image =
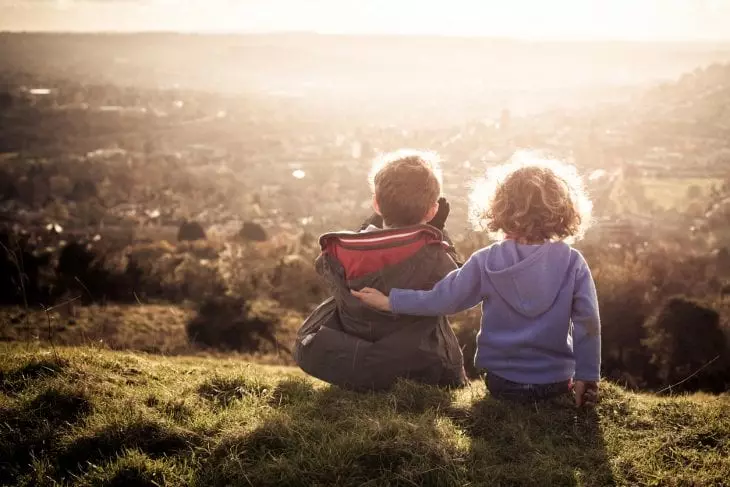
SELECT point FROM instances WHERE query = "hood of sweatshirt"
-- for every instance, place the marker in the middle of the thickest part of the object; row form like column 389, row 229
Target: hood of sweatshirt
column 528, row 277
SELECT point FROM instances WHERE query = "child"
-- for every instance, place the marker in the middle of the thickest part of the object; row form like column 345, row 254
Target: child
column 351, row 345
column 540, row 326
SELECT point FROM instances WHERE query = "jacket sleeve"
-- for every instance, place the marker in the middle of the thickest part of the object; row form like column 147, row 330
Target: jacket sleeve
column 586, row 327
column 461, row 289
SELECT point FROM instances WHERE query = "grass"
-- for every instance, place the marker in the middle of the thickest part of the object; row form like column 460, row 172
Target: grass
column 151, row 328
column 91, row 417
column 148, row 328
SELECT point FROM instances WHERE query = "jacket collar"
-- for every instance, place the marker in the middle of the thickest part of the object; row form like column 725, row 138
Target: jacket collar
column 364, row 253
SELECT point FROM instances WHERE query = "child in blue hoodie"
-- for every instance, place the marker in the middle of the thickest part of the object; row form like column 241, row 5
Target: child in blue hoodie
column 540, row 329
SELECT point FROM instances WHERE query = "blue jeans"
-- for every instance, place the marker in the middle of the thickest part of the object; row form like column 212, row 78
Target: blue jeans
column 501, row 388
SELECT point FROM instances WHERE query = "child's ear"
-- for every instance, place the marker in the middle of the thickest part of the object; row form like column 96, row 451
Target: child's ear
column 432, row 212
column 376, row 206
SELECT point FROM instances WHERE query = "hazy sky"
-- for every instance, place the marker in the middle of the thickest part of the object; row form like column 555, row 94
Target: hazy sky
column 542, row 19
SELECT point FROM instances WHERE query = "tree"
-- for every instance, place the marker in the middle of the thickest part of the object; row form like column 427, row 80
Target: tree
column 6, row 100
column 190, row 231
column 683, row 336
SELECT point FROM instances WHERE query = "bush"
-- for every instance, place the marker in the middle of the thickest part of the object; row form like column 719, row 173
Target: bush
column 625, row 295
column 163, row 271
column 683, row 337
column 296, row 284
column 24, row 271
column 190, row 231
column 281, row 268
column 228, row 323
column 77, row 270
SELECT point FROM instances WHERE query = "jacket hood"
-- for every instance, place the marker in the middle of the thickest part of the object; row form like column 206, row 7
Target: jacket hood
column 528, row 277
column 375, row 250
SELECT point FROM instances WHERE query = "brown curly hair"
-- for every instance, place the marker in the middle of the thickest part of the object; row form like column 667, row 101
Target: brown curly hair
column 531, row 200
column 406, row 184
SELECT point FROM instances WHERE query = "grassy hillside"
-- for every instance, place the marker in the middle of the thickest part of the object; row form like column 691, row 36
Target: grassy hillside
column 148, row 328
column 85, row 416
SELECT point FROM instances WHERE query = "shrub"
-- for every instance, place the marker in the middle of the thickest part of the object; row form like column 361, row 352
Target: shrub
column 190, row 231
column 253, row 231
column 683, row 336
column 282, row 268
column 75, row 263
column 296, row 284
column 625, row 295
column 24, row 273
column 229, row 323
column 163, row 271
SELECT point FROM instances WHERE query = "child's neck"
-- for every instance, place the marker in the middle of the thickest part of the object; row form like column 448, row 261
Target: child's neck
column 390, row 227
column 525, row 240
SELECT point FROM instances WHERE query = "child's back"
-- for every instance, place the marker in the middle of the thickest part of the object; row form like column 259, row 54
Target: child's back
column 540, row 325
column 355, row 346
column 532, row 295
column 352, row 345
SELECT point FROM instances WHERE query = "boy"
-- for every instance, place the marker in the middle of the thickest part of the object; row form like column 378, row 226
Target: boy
column 348, row 344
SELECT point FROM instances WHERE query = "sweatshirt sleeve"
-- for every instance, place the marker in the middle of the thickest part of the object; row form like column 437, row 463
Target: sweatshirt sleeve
column 586, row 327
column 459, row 290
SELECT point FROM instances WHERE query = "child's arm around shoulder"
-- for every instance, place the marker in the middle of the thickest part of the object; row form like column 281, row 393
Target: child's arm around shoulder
column 586, row 331
column 459, row 290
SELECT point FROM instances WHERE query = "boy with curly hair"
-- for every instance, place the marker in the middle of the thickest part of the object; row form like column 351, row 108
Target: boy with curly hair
column 540, row 327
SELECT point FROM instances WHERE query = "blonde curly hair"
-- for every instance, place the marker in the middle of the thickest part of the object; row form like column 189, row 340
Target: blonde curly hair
column 532, row 200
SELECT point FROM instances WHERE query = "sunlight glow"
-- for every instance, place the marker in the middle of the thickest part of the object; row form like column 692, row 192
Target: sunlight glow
column 529, row 19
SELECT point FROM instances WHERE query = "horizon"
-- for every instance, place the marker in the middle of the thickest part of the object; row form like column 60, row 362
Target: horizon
column 561, row 20
column 305, row 33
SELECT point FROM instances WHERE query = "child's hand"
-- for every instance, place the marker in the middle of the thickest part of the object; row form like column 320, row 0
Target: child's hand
column 372, row 297
column 439, row 220
column 586, row 393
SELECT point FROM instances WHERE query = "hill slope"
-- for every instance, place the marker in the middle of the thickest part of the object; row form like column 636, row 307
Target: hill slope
column 86, row 416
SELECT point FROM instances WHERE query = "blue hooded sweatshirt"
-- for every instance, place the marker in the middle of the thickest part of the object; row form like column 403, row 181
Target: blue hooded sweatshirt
column 540, row 321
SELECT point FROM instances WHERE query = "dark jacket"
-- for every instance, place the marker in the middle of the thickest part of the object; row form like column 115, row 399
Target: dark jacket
column 347, row 343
